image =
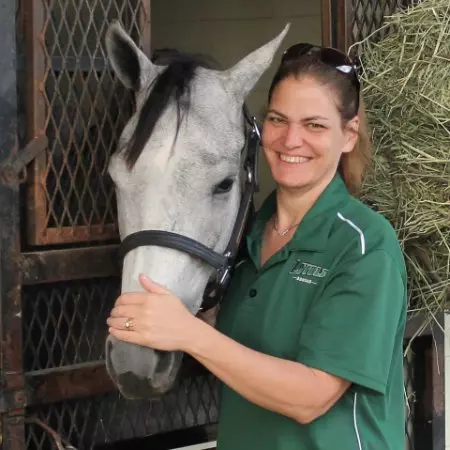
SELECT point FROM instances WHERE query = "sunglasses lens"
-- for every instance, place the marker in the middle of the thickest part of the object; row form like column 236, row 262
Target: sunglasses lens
column 333, row 57
column 329, row 56
column 296, row 51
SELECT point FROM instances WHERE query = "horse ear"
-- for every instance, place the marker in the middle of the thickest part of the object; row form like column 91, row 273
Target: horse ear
column 129, row 63
column 245, row 74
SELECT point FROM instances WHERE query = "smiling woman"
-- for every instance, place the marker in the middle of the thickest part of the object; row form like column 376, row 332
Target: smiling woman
column 326, row 335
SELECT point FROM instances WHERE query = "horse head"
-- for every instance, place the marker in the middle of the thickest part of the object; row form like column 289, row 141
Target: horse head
column 176, row 169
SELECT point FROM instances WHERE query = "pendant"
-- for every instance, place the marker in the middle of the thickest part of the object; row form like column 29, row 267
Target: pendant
column 285, row 231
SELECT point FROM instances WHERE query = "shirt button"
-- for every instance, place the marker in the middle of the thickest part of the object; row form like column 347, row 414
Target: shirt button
column 252, row 292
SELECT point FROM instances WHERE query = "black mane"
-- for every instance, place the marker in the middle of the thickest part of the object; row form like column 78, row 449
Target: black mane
column 174, row 81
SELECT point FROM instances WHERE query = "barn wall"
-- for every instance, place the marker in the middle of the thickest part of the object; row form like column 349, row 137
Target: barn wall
column 228, row 30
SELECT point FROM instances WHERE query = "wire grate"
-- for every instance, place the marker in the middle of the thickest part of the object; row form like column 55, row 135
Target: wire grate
column 65, row 323
column 368, row 16
column 94, row 421
column 83, row 109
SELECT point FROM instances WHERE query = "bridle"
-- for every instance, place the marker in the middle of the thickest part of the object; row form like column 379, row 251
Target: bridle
column 223, row 263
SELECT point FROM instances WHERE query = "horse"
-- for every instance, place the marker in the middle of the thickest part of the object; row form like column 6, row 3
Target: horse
column 177, row 171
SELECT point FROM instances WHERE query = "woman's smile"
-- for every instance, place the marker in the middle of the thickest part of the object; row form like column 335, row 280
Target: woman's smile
column 293, row 159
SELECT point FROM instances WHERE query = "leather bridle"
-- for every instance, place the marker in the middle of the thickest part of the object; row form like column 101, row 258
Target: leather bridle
column 222, row 262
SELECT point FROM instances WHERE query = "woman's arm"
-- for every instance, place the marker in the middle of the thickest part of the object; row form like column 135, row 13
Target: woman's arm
column 162, row 322
column 283, row 386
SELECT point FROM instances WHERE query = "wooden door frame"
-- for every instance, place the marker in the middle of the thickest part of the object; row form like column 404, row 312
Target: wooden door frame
column 337, row 23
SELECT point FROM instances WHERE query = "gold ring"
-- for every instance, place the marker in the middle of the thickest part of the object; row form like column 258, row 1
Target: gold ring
column 129, row 324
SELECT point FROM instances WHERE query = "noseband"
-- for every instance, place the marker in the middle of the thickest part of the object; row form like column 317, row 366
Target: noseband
column 223, row 263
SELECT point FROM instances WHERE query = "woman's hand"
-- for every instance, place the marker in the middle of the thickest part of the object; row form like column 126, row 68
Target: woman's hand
column 156, row 318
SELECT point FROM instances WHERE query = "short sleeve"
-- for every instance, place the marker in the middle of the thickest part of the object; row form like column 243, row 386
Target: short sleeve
column 353, row 326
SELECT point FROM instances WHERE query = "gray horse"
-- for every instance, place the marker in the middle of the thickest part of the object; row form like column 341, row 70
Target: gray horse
column 176, row 169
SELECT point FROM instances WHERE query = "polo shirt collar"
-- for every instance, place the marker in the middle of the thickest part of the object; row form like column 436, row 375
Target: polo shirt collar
column 313, row 232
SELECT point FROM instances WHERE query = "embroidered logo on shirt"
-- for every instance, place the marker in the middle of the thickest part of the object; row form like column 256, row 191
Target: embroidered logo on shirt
column 304, row 272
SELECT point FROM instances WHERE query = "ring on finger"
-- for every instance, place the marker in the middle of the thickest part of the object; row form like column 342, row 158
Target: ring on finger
column 129, row 324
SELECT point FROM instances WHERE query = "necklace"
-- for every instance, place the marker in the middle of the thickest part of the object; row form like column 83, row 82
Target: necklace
column 285, row 230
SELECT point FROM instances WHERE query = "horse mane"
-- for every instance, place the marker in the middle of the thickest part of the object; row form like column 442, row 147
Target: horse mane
column 174, row 81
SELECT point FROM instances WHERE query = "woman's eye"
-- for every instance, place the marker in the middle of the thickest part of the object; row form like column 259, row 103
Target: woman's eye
column 276, row 120
column 224, row 186
column 316, row 126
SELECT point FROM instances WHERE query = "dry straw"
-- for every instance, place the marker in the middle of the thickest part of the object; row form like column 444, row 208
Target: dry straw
column 406, row 79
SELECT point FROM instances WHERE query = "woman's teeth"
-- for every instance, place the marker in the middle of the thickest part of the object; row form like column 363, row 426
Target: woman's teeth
column 293, row 159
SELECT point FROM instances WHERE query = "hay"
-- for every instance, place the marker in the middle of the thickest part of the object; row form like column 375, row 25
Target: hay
column 406, row 79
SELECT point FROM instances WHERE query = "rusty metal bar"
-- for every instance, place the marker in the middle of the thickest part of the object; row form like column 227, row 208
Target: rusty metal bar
column 78, row 234
column 83, row 380
column 12, row 381
column 34, row 18
column 69, row 264
column 144, row 23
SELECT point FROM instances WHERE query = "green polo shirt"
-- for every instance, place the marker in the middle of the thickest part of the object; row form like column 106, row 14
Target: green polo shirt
column 334, row 298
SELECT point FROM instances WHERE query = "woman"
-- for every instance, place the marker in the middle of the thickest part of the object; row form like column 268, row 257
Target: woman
column 309, row 339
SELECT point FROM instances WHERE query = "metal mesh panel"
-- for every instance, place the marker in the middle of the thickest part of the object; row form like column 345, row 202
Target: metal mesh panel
column 65, row 323
column 82, row 109
column 89, row 422
column 368, row 16
column 78, row 192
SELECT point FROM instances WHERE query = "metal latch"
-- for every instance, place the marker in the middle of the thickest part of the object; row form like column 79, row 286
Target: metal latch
column 13, row 172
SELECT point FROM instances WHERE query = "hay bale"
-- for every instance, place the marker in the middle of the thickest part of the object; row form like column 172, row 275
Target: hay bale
column 406, row 89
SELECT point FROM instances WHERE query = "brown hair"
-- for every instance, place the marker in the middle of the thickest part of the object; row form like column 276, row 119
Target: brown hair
column 352, row 165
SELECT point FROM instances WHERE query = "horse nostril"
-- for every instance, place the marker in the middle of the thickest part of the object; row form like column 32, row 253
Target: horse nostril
column 134, row 387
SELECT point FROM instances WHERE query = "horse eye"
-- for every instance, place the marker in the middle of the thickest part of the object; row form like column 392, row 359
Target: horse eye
column 224, row 186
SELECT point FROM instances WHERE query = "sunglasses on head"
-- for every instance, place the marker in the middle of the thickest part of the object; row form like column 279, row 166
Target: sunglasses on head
column 327, row 55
